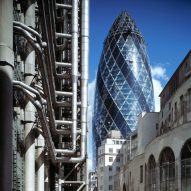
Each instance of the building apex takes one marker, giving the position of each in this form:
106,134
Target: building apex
123,24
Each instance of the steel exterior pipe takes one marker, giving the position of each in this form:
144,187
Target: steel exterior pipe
63,6
27,87
63,35
84,74
40,163
6,93
29,109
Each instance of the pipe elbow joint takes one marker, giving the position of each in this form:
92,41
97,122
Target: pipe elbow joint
38,105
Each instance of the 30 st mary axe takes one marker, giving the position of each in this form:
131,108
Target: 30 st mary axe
124,84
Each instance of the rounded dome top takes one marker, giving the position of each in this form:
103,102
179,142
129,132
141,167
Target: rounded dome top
123,24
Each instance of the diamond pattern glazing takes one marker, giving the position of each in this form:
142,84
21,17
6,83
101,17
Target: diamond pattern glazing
124,85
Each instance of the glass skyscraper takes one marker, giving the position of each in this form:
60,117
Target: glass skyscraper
124,85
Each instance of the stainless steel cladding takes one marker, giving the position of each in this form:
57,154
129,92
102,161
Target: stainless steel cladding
51,38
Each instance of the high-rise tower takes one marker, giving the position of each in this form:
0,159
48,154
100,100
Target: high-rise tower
124,85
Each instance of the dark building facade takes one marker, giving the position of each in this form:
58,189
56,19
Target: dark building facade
124,85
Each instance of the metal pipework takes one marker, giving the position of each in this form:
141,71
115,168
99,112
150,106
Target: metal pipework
30,30
54,17
51,56
46,87
74,72
46,131
74,81
82,154
39,97
84,84
29,114
49,34
84,61
83,132
63,6
63,35
40,163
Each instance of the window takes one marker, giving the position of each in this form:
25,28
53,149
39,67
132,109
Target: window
181,105
101,169
169,106
169,117
110,168
141,174
110,178
157,126
117,159
117,169
110,187
189,99
117,142
167,169
118,150
175,111
110,159
185,165
150,173
110,150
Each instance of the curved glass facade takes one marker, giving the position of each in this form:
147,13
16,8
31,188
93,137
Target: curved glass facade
124,85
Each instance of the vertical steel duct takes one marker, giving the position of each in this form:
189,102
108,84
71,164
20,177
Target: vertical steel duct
6,93
29,109
84,74
74,69
40,163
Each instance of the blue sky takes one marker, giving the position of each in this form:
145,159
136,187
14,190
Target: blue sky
165,26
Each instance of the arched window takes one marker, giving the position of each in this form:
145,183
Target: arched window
186,166
167,170
124,187
151,174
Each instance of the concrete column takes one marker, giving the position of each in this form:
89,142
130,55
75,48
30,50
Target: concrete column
6,93
29,109
179,173
46,178
40,163
157,177
87,164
